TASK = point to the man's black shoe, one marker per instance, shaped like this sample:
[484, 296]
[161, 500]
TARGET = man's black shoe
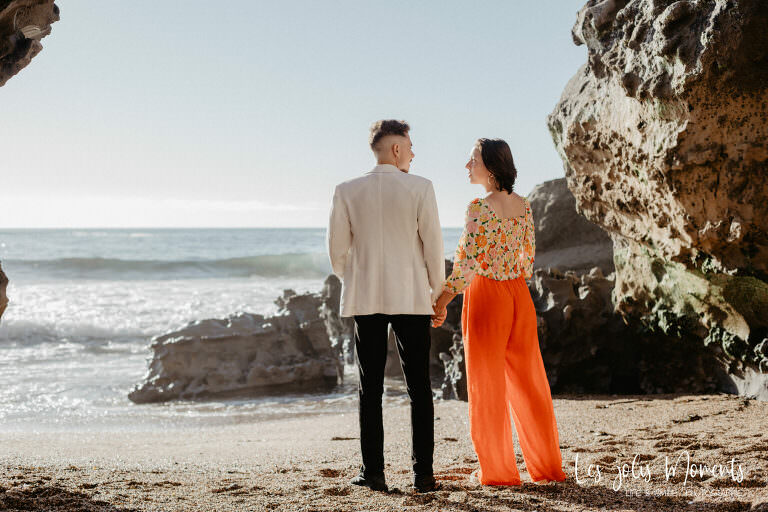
[425, 483]
[375, 483]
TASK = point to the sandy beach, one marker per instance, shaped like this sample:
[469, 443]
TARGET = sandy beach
[305, 463]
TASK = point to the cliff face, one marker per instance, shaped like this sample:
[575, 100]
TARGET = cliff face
[22, 24]
[664, 137]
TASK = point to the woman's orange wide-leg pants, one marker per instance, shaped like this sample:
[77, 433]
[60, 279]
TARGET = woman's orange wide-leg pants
[506, 381]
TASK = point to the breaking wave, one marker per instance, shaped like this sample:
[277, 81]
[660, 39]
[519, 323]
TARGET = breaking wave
[272, 265]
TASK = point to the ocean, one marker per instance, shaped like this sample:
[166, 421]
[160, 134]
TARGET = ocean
[85, 304]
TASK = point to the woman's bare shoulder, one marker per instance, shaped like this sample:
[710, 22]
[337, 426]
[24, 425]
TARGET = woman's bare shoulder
[509, 205]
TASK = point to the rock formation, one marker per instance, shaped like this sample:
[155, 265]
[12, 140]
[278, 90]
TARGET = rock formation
[3, 296]
[664, 137]
[246, 353]
[22, 24]
[340, 329]
[565, 239]
[588, 348]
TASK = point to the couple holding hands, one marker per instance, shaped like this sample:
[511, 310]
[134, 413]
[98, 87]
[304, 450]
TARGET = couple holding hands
[385, 243]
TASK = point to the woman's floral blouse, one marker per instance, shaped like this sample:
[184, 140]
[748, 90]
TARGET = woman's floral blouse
[496, 248]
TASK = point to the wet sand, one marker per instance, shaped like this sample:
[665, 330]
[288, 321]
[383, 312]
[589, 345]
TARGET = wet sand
[306, 463]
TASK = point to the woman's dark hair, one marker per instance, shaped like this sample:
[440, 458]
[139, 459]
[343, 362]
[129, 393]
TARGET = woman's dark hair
[497, 158]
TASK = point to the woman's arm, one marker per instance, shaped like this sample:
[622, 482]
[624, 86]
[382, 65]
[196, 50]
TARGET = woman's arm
[529, 243]
[471, 245]
[465, 263]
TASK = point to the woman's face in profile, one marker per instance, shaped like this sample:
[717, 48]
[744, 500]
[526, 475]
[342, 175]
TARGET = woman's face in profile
[478, 174]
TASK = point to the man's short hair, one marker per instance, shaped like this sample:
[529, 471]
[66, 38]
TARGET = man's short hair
[386, 127]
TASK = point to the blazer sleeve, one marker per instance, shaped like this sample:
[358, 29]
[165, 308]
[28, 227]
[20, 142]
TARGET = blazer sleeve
[470, 251]
[339, 234]
[529, 243]
[431, 236]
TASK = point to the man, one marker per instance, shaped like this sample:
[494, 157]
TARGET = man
[385, 243]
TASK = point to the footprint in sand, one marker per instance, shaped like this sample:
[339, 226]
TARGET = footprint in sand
[671, 445]
[166, 483]
[459, 470]
[330, 473]
[232, 487]
[337, 491]
[606, 459]
[418, 499]
[449, 476]
[688, 419]
[616, 442]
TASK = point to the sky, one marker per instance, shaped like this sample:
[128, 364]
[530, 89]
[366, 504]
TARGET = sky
[248, 113]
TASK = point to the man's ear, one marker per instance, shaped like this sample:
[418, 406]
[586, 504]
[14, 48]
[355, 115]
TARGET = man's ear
[396, 150]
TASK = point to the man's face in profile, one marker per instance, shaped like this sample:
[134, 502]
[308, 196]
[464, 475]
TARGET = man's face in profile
[406, 153]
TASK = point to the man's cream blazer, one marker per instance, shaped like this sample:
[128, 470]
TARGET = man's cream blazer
[385, 243]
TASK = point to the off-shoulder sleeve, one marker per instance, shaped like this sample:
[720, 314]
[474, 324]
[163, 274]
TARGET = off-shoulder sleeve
[469, 252]
[528, 252]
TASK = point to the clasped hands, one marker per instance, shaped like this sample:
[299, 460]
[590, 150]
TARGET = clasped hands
[439, 307]
[439, 317]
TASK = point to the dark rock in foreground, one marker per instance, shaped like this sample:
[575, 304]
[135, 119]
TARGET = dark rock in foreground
[588, 348]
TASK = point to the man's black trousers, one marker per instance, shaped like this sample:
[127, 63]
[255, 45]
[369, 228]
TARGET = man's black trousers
[413, 343]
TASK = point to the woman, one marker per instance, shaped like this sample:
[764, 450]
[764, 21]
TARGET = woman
[505, 372]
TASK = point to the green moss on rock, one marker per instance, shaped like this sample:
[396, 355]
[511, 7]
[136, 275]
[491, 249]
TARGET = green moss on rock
[749, 296]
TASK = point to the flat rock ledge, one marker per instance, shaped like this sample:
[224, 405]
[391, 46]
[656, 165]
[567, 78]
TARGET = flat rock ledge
[248, 353]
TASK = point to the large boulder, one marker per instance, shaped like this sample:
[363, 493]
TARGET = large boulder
[564, 238]
[22, 24]
[246, 353]
[664, 137]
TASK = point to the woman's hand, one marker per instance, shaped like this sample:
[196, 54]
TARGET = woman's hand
[440, 308]
[439, 317]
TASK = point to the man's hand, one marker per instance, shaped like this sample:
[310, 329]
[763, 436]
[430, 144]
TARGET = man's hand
[439, 317]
